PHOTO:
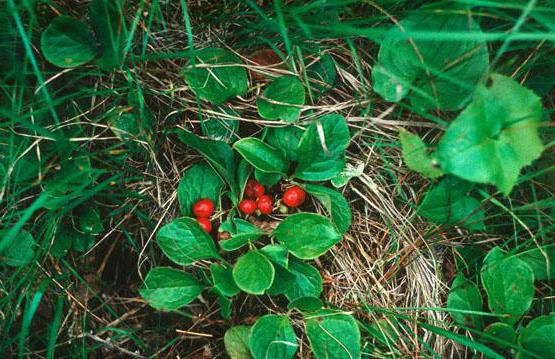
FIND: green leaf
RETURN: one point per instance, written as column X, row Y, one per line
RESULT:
column 109, row 25
column 306, row 304
column 509, row 284
column 225, row 305
column 282, row 100
column 67, row 42
column 75, row 173
column 166, row 288
column 286, row 139
column 495, row 136
column 221, row 128
column 90, row 221
column 307, row 235
column 244, row 172
column 541, row 260
column 62, row 243
column 241, row 231
column 384, row 330
column 333, row 335
column 449, row 203
column 322, row 74
column 219, row 154
column 416, row 156
column 214, row 76
column 82, row 242
column 321, row 158
column 434, row 73
column 465, row 295
column 305, row 280
column 253, row 273
column 223, row 279
column 350, row 171
column 273, row 336
column 199, row 181
column 267, row 179
column 21, row 250
column 503, row 332
column 539, row 336
column 184, row 242
column 261, row 156
column 236, row 341
column 336, row 205
column 277, row 254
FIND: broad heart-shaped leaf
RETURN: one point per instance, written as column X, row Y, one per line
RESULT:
column 219, row 154
column 223, row 279
column 184, row 242
column 109, row 24
column 236, row 341
column 282, row 100
column 495, row 136
column 253, row 273
column 241, row 231
column 212, row 76
column 503, row 333
column 509, row 284
column 286, row 139
column 465, row 295
column 449, row 203
column 539, row 336
column 336, row 205
column 333, row 335
column 434, row 73
column 307, row 235
column 262, row 156
column 541, row 260
column 21, row 250
column 273, row 336
column 321, row 151
column 67, row 42
column 199, row 181
column 166, row 288
column 305, row 280
column 416, row 156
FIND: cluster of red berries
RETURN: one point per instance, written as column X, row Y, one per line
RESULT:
column 203, row 209
column 257, row 200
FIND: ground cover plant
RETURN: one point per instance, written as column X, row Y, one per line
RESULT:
column 277, row 179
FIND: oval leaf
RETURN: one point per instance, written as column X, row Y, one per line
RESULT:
column 253, row 273
column 261, row 156
column 273, row 336
column 110, row 28
column 223, row 279
column 169, row 289
column 333, row 335
column 184, row 242
column 282, row 100
column 307, row 235
column 236, row 341
column 465, row 295
column 416, row 156
column 539, row 336
column 20, row 251
column 336, row 205
column 199, row 181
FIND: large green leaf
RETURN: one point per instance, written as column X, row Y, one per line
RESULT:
column 541, row 260
column 286, row 139
column 67, row 42
column 273, row 336
column 504, row 334
column 236, row 341
column 199, row 181
column 21, row 250
column 449, row 202
column 221, row 128
column 223, row 279
column 305, row 280
column 333, row 335
column 322, row 74
column 219, row 154
column 495, row 136
column 539, row 336
column 214, row 76
column 334, row 202
column 307, row 235
column 241, row 232
column 262, row 156
column 509, row 284
column 321, row 151
column 253, row 273
column 416, row 156
column 433, row 72
column 184, row 242
column 166, row 288
column 282, row 100
column 464, row 295
column 277, row 254
column 111, row 31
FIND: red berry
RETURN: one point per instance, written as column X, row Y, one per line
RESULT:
column 205, row 224
column 203, row 208
column 265, row 204
column 247, row 206
column 254, row 189
column 294, row 196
